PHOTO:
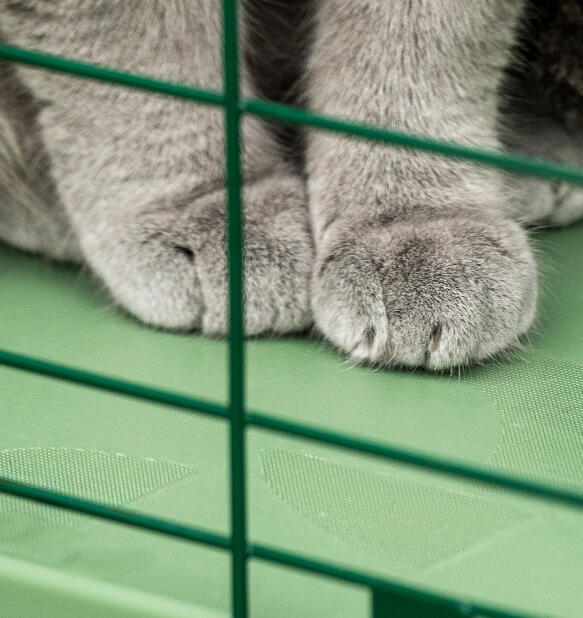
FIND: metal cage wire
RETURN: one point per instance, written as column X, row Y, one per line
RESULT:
column 236, row 412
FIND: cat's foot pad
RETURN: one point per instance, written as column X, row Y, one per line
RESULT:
column 435, row 293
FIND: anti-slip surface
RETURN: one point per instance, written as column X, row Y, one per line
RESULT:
column 523, row 414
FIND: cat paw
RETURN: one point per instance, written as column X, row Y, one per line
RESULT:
column 547, row 204
column 567, row 204
column 434, row 293
column 169, row 267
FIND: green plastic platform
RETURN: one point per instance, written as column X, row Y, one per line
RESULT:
column 523, row 415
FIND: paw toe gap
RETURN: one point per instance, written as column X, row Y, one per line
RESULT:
column 434, row 340
column 435, row 337
column 189, row 253
column 369, row 335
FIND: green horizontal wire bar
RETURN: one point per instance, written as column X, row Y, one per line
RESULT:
column 419, row 460
column 271, row 423
column 112, row 385
column 519, row 164
column 102, row 511
column 515, row 163
column 211, row 539
column 91, row 71
column 464, row 607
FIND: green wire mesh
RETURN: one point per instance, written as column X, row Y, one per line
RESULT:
column 239, row 418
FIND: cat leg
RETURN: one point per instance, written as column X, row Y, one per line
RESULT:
column 417, row 262
column 142, row 177
column 32, row 216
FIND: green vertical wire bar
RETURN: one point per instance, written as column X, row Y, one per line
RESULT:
column 236, row 309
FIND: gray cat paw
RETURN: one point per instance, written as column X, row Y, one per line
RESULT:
column 435, row 293
column 567, row 204
column 544, row 203
column 169, row 266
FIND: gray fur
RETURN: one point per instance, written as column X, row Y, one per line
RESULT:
column 139, row 177
column 417, row 260
column 401, row 258
column 535, row 201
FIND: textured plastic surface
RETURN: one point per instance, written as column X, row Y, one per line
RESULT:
column 524, row 415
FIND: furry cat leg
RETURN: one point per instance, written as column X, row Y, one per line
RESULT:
column 140, row 177
column 542, row 109
column 417, row 261
column 31, row 215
